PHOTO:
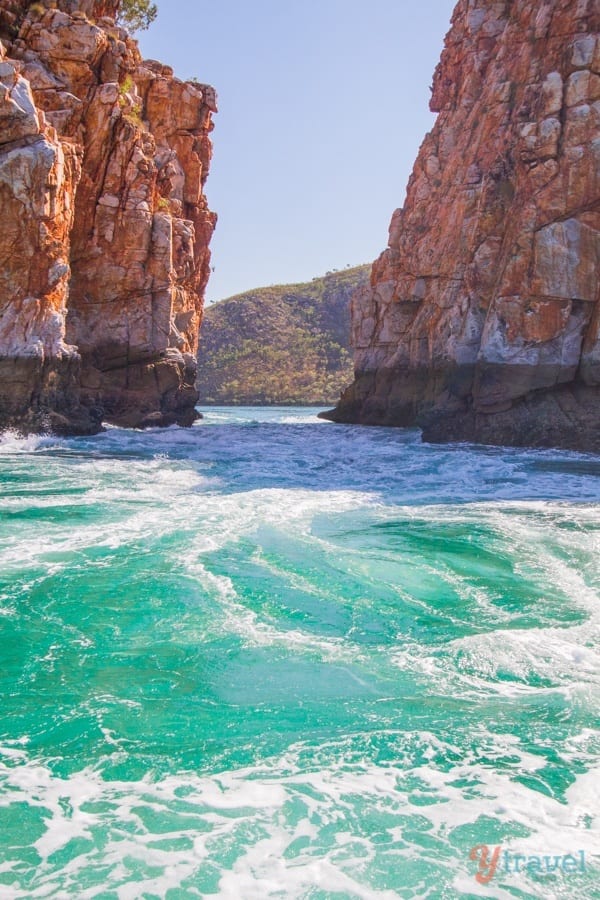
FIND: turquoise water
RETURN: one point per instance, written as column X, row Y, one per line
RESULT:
column 274, row 657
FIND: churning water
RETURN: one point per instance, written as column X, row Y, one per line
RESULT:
column 274, row 657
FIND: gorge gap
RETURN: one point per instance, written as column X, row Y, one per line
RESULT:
column 481, row 320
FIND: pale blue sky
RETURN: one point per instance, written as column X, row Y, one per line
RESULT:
column 322, row 107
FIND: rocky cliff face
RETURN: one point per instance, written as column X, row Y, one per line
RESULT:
column 482, row 319
column 105, row 229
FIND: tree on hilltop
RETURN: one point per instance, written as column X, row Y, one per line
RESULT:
column 137, row 15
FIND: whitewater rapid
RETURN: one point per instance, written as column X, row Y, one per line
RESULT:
column 269, row 656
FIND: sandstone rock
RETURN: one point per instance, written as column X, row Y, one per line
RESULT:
column 105, row 228
column 482, row 318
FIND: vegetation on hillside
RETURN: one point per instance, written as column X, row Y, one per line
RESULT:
column 284, row 344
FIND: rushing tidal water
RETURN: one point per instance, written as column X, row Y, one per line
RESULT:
column 274, row 657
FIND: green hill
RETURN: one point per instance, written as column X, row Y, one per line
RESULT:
column 285, row 344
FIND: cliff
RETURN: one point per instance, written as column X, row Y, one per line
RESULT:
column 105, row 229
column 482, row 318
column 286, row 344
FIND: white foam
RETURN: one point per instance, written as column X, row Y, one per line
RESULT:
column 279, row 850
column 12, row 442
column 294, row 825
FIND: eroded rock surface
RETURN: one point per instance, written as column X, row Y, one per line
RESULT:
column 105, row 229
column 482, row 319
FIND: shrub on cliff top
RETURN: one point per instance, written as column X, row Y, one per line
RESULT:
column 137, row 15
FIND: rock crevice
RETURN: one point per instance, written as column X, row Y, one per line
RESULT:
column 105, row 228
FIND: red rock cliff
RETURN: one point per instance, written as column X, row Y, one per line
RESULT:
column 104, row 230
column 482, row 320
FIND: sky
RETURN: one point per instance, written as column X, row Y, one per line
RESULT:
column 323, row 105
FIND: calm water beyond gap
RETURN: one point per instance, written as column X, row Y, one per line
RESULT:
column 269, row 656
